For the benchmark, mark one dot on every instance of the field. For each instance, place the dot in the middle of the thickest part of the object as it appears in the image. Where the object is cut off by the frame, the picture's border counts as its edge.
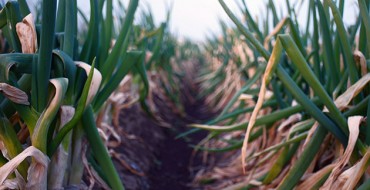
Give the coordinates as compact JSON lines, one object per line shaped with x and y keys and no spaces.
{"x":114,"y":100}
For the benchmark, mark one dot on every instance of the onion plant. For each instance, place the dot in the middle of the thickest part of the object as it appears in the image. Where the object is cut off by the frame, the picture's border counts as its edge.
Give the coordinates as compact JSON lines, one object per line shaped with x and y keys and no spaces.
{"x":54,"y":81}
{"x":300,"y":90}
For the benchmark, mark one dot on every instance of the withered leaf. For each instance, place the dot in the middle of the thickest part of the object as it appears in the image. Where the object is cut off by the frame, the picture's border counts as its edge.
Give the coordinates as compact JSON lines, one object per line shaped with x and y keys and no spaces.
{"x":14,"y":94}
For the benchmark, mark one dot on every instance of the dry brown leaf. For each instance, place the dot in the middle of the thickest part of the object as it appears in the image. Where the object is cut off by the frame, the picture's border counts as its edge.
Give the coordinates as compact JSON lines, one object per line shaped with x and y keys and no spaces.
{"x":66,"y":115}
{"x":310,"y":181}
{"x":274,"y":32}
{"x":261,"y":96}
{"x":93,"y":175}
{"x":343,"y":100}
{"x":37,"y":172}
{"x":349,"y":178}
{"x":353,"y":125}
{"x":103,"y":135}
{"x":361,"y":60}
{"x":37,"y":176}
{"x":27,"y":34}
{"x":95,"y":83}
{"x":14,"y":94}
{"x":353,"y":175}
{"x":107,"y":132}
{"x":310,"y":133}
{"x":10,"y":184}
{"x":245,"y":97}
{"x":290,"y":121}
{"x":121,"y":158}
{"x":15,"y":183}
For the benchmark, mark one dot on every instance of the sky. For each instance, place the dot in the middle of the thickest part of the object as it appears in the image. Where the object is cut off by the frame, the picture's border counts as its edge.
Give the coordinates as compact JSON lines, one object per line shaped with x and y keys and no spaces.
{"x":195,"y":19}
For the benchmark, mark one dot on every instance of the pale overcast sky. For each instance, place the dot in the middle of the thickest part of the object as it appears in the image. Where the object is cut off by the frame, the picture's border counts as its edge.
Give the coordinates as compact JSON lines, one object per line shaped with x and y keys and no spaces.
{"x":196,"y":18}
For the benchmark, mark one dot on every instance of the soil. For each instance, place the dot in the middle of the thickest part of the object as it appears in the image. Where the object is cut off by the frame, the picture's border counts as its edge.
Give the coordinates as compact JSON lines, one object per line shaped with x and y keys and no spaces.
{"x":150,"y":155}
{"x":175,"y":156}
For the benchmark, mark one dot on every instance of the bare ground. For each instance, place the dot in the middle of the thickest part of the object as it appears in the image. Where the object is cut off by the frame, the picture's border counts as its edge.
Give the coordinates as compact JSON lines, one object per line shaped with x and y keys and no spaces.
{"x":151,"y":156}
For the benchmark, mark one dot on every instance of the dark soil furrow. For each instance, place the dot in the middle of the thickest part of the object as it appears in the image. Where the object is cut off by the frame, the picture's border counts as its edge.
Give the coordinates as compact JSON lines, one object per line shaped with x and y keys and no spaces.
{"x":153,"y":150}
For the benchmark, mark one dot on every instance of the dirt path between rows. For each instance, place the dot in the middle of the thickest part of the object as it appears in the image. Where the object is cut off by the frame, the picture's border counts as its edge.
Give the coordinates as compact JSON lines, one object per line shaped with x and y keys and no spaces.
{"x":175,"y":155}
{"x":150,"y":155}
